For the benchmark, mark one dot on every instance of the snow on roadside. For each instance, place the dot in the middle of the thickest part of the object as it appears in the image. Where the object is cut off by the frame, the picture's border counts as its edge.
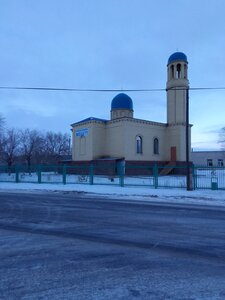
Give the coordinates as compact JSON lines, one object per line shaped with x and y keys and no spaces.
{"x":203,"y":197}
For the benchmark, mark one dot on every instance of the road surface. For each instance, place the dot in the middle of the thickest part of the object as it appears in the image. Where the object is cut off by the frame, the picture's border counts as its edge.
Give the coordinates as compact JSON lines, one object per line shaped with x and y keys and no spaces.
{"x":74,"y":246}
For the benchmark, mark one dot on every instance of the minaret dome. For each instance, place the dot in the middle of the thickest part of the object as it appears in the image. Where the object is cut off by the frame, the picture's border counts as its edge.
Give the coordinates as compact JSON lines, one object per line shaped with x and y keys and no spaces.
{"x":177,"y":67}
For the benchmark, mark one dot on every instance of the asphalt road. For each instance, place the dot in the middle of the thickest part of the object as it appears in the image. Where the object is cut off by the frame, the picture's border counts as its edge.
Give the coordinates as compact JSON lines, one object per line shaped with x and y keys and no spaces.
{"x":71,"y":246}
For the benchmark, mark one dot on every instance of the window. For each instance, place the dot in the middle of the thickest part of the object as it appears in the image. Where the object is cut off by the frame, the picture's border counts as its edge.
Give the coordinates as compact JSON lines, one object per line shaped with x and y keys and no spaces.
{"x":185,"y":71}
{"x":220,"y":162}
{"x":178,"y":71}
{"x":209,"y":162}
{"x":172,"y":71}
{"x":139,"y":144}
{"x":156,"y":146}
{"x":82,"y":145}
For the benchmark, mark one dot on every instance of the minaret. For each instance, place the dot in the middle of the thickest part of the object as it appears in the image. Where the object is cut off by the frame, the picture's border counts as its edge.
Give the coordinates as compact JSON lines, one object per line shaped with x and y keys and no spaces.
{"x":177,"y":84}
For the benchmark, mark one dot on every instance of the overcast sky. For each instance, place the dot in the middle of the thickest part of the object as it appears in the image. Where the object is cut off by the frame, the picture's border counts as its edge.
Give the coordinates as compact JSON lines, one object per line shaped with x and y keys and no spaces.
{"x":109,"y":44}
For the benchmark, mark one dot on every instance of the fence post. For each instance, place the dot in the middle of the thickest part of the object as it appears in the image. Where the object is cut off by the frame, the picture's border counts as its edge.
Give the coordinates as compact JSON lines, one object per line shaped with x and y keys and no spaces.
{"x":121,"y":174}
{"x":17,"y":173}
{"x":39,"y":173}
{"x":91,"y":174}
{"x":155,"y":175}
{"x":194,"y":177}
{"x":64,"y":174}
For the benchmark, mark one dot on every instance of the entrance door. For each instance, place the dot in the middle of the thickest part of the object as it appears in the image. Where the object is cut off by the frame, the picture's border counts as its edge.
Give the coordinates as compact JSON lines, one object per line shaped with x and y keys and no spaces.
{"x":173,"y":153}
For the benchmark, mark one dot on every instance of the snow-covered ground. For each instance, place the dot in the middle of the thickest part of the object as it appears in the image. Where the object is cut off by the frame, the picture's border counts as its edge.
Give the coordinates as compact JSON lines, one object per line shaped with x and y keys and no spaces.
{"x":143,"y":193}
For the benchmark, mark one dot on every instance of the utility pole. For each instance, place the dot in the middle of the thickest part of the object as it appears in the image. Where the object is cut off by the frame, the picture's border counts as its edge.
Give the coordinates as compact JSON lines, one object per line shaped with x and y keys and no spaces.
{"x":189,"y":181}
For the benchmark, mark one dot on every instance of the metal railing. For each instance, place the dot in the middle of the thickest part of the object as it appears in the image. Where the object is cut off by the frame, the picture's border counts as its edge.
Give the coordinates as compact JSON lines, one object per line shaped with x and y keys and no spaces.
{"x":154,"y":176}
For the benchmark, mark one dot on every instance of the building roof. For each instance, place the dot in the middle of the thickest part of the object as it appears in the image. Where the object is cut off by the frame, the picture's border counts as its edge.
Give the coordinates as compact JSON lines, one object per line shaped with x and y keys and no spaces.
{"x":121,"y":119}
{"x":122,"y":101}
{"x":135,"y":120}
{"x":90,"y":119}
{"x":177,"y":56}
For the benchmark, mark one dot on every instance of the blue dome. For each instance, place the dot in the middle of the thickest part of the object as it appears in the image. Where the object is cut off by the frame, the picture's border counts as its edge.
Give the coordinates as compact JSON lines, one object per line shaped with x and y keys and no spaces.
{"x":177,"y":56}
{"x":122,"y":101}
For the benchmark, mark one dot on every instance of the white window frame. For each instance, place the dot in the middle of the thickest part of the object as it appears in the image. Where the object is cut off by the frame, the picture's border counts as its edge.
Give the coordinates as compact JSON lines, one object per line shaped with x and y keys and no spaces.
{"x":209,"y":162}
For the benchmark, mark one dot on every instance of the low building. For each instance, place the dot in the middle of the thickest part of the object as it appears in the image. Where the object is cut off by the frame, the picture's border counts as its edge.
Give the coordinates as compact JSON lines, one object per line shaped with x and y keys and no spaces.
{"x":208,"y":158}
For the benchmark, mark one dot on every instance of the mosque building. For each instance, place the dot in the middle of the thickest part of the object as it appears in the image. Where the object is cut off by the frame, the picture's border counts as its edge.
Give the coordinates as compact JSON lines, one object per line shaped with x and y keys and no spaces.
{"x":133,"y":140}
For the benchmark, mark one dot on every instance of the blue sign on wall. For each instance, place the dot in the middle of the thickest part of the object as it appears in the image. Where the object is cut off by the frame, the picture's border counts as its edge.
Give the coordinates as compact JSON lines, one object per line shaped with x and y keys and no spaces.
{"x":82,"y":132}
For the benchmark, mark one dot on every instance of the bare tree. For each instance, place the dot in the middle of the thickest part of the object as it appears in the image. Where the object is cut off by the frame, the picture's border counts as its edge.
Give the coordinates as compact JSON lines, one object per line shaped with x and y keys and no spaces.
{"x":1,"y":134}
{"x":2,"y":122}
{"x":9,"y":146}
{"x":221,"y":140}
{"x":31,"y":144}
{"x":56,"y":145}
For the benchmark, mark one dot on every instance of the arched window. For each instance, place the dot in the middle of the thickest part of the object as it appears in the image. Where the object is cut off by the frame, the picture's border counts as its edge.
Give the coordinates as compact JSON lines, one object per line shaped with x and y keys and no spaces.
{"x":82,"y":145}
{"x":138,"y":144}
{"x":172,"y":71}
{"x":156,"y":146}
{"x":178,"y":72}
{"x":185,"y":71}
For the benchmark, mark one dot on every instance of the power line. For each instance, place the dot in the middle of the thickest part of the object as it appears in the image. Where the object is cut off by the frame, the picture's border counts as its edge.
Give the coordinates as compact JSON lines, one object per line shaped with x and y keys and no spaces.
{"x":104,"y":90}
{"x":78,"y":90}
{"x":207,"y":88}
